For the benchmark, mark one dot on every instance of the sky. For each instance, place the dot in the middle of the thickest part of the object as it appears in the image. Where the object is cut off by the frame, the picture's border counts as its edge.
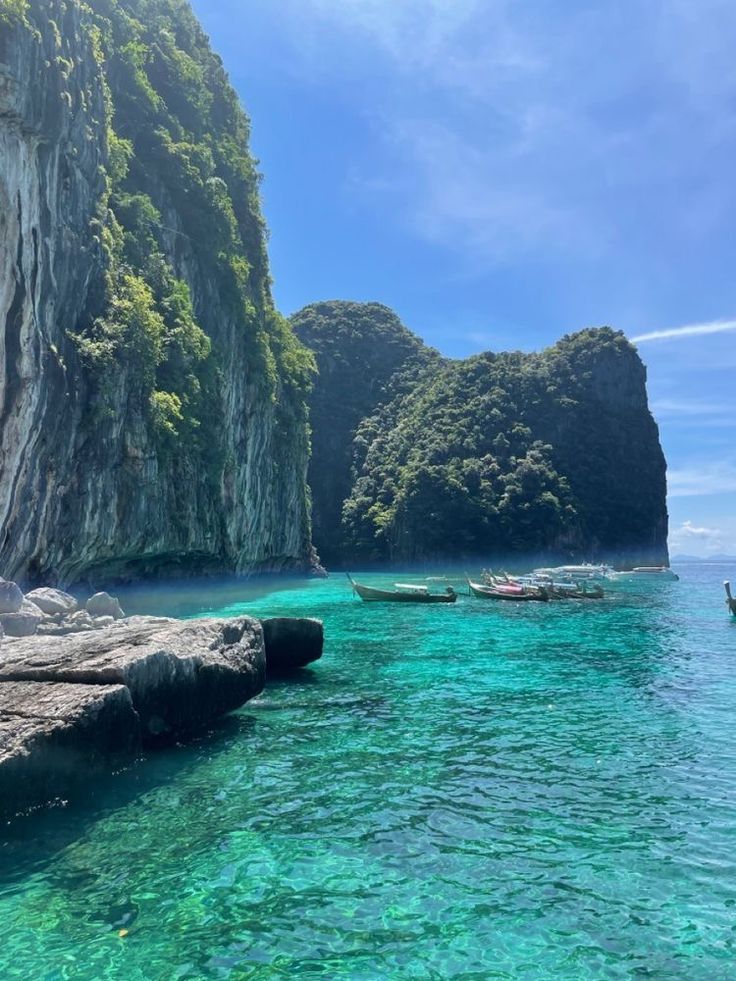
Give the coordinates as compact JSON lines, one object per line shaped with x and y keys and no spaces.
{"x":502,"y":173}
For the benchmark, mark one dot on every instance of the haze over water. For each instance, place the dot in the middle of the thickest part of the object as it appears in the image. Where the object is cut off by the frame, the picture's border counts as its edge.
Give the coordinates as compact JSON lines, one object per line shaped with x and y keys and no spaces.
{"x":484,"y":790}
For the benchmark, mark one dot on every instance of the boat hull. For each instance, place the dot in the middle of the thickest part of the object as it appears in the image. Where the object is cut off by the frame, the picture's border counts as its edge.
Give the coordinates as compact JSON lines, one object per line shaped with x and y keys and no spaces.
{"x":489,"y":593}
{"x":369,"y":594}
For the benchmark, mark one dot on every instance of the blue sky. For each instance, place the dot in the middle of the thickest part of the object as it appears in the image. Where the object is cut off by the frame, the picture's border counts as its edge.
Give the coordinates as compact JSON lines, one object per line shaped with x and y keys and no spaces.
{"x":501,"y":173}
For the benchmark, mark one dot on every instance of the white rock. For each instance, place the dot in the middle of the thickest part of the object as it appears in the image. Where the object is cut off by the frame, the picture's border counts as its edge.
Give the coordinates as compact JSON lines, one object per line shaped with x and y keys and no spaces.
{"x":11,"y":598}
{"x":104,"y":605}
{"x":24,"y":622}
{"x":53,"y":601}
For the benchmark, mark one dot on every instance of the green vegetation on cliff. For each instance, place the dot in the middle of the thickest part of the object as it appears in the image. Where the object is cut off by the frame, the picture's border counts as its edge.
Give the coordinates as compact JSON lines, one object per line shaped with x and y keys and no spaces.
{"x":553,"y":452}
{"x":177,"y":133}
{"x":12,"y":11}
{"x":362,"y":349}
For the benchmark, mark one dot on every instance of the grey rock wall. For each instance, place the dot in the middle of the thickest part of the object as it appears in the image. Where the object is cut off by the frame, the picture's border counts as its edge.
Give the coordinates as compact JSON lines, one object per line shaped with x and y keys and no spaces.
{"x":84,"y":496}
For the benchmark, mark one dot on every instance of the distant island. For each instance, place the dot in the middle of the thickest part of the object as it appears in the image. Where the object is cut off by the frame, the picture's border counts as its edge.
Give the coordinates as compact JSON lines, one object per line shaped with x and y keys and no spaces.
{"x":703,"y":558}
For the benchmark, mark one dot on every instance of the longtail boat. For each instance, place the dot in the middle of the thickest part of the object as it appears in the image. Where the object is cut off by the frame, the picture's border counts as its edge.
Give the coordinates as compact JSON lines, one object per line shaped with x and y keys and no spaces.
{"x":555,"y":590}
{"x":402,"y":593}
{"x":730,"y":601}
{"x":512,"y":595}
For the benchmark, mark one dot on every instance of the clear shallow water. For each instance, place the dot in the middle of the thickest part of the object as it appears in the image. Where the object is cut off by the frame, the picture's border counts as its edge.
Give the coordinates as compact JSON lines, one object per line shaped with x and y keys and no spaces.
{"x":474,"y":791}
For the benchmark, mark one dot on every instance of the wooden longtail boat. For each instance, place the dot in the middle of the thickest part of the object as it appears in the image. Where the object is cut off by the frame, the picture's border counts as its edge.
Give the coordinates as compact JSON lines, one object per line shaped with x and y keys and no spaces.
{"x":404,"y":594}
{"x":730,"y":601}
{"x":514,"y":596}
{"x":555,"y":590}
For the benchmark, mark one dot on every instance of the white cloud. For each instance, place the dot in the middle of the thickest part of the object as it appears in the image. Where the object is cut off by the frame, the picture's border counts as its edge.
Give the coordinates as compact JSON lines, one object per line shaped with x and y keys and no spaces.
{"x":688,"y":530}
{"x":690,"y":537}
{"x":687,"y":407}
{"x":689,"y":330}
{"x":702,"y":480}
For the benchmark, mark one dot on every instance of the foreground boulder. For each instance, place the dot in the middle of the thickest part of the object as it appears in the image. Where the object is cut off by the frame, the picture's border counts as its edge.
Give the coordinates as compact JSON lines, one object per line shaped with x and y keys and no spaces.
{"x":74,"y":702}
{"x":292,"y":643}
{"x":53,"y":735}
{"x":180,"y":674}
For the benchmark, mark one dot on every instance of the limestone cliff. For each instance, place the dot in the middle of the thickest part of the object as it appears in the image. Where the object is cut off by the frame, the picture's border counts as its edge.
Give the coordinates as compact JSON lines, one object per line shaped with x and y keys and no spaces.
{"x":552,"y":454}
{"x":152,"y":414}
{"x":360,"y":348}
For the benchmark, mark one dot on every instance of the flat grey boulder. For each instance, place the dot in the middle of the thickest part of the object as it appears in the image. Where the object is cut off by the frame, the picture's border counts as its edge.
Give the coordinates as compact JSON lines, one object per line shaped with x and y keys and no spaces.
{"x":52,"y":735}
{"x":104,"y":605}
{"x":180,"y":673}
{"x":292,"y":642}
{"x":53,"y":601}
{"x":11,"y":597}
{"x":24,"y":622}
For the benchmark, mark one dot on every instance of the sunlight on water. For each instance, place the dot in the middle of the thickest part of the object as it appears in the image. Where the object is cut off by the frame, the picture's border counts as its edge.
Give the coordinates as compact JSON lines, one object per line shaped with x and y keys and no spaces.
{"x":476,"y":790}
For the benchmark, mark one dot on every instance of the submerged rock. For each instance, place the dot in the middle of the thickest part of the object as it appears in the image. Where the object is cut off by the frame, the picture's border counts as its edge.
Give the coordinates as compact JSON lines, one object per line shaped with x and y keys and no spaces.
{"x":104,"y":605}
{"x":51,"y":735}
{"x":71,"y":703}
{"x":53,"y":601}
{"x":292,"y":642}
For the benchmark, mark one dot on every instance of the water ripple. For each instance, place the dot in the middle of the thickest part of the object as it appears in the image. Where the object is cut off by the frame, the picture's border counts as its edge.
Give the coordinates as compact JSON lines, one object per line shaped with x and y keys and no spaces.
{"x":468,"y":792}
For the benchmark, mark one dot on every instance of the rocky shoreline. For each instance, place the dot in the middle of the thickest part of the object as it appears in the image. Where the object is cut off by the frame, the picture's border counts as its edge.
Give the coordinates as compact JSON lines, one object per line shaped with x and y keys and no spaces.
{"x":50,"y":612}
{"x":84,"y":689}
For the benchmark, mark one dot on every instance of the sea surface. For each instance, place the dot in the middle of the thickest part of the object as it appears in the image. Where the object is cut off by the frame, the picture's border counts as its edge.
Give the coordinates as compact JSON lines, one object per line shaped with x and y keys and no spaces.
{"x":473,"y":791}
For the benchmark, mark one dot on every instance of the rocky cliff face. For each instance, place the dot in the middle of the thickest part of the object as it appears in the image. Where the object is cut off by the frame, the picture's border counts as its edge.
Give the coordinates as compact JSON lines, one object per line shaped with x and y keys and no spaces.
{"x":543,"y":455}
{"x":152,"y":413}
{"x":360,"y":349}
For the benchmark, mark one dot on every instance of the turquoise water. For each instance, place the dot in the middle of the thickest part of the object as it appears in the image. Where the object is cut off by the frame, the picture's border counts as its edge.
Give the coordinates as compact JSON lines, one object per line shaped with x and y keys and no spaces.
{"x":477,"y":791}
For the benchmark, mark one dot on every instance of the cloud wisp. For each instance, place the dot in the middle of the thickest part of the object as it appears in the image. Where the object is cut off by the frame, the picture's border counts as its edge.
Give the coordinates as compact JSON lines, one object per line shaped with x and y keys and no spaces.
{"x":665,"y":407}
{"x":495,"y":148}
{"x":700,"y":538}
{"x":702,"y":480}
{"x":688,"y":330}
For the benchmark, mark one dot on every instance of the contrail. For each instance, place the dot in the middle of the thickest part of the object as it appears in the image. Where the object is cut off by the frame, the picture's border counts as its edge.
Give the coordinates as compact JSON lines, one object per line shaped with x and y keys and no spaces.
{"x":690,"y":330}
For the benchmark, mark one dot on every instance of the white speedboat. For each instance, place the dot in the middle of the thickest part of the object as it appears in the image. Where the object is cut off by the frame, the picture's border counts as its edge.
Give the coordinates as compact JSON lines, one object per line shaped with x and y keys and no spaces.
{"x":654,"y":572}
{"x":576,"y":572}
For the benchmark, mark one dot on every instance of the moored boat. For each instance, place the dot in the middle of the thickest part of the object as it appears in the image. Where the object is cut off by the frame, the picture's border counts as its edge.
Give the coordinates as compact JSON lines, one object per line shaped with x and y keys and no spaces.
{"x":568,"y":589}
{"x":652,"y":573}
{"x":730,"y":601}
{"x":402,"y":593}
{"x":494,"y":592}
{"x":576,"y":572}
